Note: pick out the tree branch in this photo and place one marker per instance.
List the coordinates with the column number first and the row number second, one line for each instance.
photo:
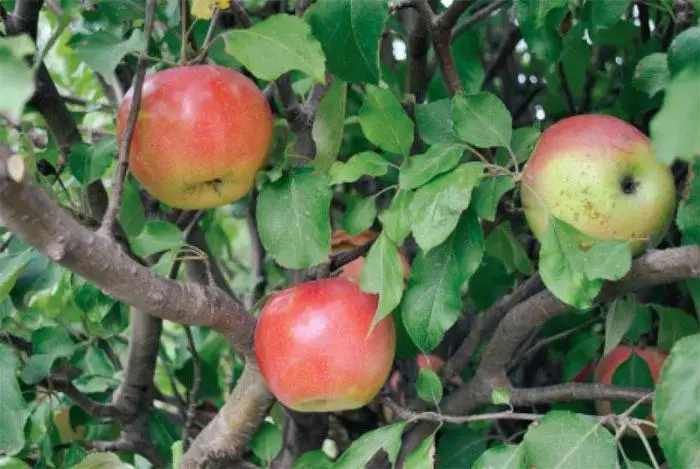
column 477, row 16
column 38, row 220
column 486, row 322
column 448, row 19
column 123, row 158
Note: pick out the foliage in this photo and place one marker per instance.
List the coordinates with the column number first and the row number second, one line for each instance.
column 369, row 135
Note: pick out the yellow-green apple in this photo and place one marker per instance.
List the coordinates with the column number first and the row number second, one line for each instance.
column 202, row 134
column 600, row 175
column 606, row 368
column 316, row 349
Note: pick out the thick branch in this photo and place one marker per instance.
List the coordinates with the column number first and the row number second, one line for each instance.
column 227, row 435
column 654, row 268
column 39, row 221
column 487, row 322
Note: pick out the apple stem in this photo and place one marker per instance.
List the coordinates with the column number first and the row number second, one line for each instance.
column 120, row 171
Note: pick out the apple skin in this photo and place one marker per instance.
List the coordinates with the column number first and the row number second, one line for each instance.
column 579, row 172
column 314, row 349
column 608, row 365
column 202, row 134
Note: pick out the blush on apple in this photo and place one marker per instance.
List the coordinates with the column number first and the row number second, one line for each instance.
column 202, row 134
column 315, row 350
column 599, row 174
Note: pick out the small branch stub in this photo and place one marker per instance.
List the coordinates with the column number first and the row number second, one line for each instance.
column 15, row 167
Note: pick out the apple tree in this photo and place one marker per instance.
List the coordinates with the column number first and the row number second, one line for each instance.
column 350, row 233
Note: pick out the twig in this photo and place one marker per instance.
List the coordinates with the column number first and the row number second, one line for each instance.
column 257, row 254
column 436, row 417
column 123, row 159
column 193, row 394
column 477, row 16
column 448, row 19
column 6, row 243
column 242, row 18
column 441, row 37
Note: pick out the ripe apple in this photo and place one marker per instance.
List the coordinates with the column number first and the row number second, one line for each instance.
column 341, row 241
column 202, row 134
column 599, row 174
column 315, row 350
column 609, row 365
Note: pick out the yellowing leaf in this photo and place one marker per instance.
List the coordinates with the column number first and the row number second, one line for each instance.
column 204, row 9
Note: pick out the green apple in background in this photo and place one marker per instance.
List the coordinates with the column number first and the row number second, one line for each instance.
column 600, row 175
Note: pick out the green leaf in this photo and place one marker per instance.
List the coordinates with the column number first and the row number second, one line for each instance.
column 688, row 214
column 562, row 265
column 359, row 216
column 675, row 405
column 522, row 144
column 15, row 75
column 608, row 260
column 500, row 396
column 538, row 9
column 469, row 244
column 675, row 130
column 488, row 194
column 313, row 460
column 103, row 50
column 651, row 74
column 503, row 245
column 674, row 325
column 14, row 410
column 12, row 463
column 539, row 20
column 88, row 163
column 366, row 163
column 102, row 461
column 584, row 350
column 364, row 448
column 502, row 457
column 482, row 120
column 423, row 457
column 350, row 32
column 618, row 321
column 432, row 302
column 48, row 345
column 434, row 121
column 459, row 446
column 419, row 169
column 277, row 45
column 384, row 122
column 293, row 219
column 396, row 219
column 429, row 386
column 11, row 269
column 684, row 51
column 157, row 236
column 437, row 206
column 328, row 126
column 606, row 14
column 131, row 215
column 267, row 442
column 564, row 439
column 383, row 274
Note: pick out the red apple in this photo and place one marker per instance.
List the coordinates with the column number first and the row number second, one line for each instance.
column 315, row 349
column 599, row 174
column 609, row 364
column 202, row 134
